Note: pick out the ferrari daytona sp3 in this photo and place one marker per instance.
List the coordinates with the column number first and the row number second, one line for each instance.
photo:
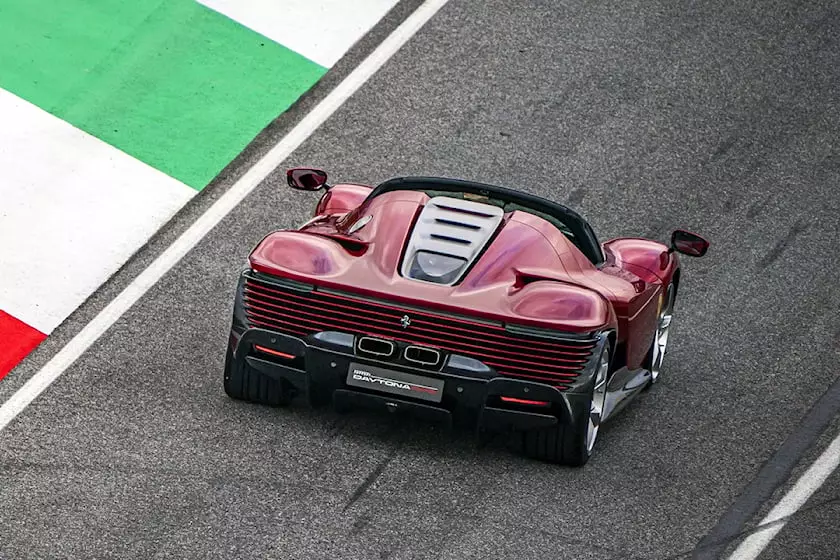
column 444, row 299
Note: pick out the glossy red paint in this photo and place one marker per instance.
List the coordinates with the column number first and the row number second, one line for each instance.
column 648, row 267
column 531, row 274
column 525, row 244
column 648, row 259
column 342, row 198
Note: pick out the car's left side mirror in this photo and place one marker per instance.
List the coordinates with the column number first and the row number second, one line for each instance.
column 306, row 179
column 688, row 243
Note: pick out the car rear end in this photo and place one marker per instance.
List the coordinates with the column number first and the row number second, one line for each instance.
column 353, row 351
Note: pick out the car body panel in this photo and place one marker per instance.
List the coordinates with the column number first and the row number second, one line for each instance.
column 530, row 274
column 527, row 275
column 436, row 297
column 341, row 198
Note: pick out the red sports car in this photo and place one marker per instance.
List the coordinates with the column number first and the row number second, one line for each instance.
column 450, row 299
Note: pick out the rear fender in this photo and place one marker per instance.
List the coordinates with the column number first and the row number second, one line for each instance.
column 579, row 309
column 649, row 260
column 342, row 198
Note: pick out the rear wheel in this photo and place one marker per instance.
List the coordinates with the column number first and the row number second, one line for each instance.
column 572, row 444
column 656, row 354
column 242, row 382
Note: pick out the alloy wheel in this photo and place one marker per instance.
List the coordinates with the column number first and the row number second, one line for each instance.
column 660, row 342
column 599, row 395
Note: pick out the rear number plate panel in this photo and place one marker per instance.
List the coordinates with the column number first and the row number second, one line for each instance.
column 395, row 382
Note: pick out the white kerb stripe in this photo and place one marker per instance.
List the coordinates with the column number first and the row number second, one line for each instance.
column 72, row 211
column 320, row 30
column 207, row 221
column 796, row 497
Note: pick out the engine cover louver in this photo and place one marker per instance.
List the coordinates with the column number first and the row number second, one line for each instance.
column 449, row 235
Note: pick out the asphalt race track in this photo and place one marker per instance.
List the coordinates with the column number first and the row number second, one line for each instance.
column 646, row 116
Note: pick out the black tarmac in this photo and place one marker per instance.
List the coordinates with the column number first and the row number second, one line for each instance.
column 645, row 116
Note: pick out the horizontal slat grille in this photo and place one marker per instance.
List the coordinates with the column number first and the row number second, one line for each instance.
column 301, row 313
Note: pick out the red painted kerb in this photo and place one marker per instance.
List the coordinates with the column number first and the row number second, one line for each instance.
column 17, row 339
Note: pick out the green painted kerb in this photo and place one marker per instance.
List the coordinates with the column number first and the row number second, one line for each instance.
column 170, row 82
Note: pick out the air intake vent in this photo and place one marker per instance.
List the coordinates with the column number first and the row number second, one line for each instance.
column 457, row 224
column 448, row 236
column 519, row 352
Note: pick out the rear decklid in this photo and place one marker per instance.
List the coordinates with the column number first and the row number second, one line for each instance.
column 441, row 253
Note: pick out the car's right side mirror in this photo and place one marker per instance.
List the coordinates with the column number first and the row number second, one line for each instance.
column 688, row 243
column 306, row 179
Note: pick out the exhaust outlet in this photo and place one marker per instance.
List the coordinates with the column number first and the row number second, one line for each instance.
column 376, row 346
column 422, row 355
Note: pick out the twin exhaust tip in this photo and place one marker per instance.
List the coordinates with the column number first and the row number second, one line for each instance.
column 422, row 355
column 377, row 346
column 386, row 349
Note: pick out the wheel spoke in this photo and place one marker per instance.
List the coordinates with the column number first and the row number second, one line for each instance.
column 596, row 407
column 592, row 428
column 660, row 340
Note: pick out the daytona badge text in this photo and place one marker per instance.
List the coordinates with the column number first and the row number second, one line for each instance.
column 362, row 375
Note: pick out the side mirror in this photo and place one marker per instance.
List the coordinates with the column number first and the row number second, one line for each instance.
column 688, row 243
column 306, row 179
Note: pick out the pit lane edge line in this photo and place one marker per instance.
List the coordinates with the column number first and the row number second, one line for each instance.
column 205, row 223
column 775, row 472
column 809, row 482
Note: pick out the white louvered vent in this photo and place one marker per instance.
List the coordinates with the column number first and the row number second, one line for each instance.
column 449, row 234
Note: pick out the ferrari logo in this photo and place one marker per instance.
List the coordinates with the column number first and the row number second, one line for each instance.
column 405, row 321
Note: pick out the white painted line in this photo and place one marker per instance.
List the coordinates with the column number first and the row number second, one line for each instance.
column 216, row 213
column 796, row 497
column 72, row 211
column 320, row 30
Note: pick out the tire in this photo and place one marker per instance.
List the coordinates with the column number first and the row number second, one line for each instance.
column 656, row 352
column 572, row 444
column 242, row 382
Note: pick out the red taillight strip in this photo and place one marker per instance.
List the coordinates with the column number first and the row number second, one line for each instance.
column 525, row 401
column 275, row 352
column 391, row 329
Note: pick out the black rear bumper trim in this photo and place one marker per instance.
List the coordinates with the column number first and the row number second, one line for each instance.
column 315, row 366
